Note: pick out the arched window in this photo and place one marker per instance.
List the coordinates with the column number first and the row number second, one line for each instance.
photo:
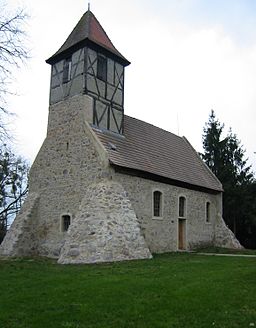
column 182, row 207
column 157, row 203
column 208, row 211
column 65, row 222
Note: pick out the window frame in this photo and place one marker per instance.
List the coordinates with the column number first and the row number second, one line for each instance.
column 158, row 206
column 67, row 68
column 182, row 214
column 208, row 212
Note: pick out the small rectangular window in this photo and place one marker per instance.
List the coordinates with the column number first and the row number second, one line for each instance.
column 102, row 68
column 67, row 69
column 208, row 212
column 65, row 222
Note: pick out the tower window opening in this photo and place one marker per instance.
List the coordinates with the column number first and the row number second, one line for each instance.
column 102, row 68
column 65, row 222
column 67, row 69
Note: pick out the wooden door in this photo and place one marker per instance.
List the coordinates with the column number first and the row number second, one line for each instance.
column 182, row 234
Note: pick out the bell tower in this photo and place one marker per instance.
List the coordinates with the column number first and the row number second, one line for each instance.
column 89, row 64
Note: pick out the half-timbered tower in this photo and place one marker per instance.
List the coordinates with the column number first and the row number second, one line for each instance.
column 105, row 186
column 88, row 63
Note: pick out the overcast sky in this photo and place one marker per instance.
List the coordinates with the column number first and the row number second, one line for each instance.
column 187, row 57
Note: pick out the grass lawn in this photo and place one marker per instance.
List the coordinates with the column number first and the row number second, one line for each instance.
column 172, row 290
column 219, row 250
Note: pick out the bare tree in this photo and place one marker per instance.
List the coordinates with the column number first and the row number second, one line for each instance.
column 13, row 53
column 13, row 186
column 13, row 169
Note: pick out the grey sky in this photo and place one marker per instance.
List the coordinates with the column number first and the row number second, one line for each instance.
column 187, row 57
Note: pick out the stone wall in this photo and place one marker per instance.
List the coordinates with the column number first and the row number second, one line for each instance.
column 161, row 233
column 224, row 237
column 105, row 228
column 69, row 160
column 21, row 239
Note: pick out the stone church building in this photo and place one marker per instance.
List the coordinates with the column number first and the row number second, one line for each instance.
column 105, row 186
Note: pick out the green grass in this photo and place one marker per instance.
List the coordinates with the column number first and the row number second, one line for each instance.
column 220, row 250
column 172, row 290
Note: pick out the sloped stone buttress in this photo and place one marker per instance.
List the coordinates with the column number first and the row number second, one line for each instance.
column 105, row 229
column 21, row 238
column 224, row 237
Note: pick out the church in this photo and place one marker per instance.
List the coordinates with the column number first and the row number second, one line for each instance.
column 105, row 186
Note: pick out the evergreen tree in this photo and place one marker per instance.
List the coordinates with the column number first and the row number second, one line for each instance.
column 226, row 158
column 213, row 145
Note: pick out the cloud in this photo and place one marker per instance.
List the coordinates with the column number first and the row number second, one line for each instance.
column 188, row 57
column 180, row 73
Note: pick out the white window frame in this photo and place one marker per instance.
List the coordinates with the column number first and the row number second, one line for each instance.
column 160, row 217
column 185, row 207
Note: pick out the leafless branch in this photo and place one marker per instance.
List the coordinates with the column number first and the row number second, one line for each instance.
column 13, row 53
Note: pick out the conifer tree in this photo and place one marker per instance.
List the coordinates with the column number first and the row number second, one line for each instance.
column 226, row 158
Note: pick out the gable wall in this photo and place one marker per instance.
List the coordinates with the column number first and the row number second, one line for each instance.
column 161, row 234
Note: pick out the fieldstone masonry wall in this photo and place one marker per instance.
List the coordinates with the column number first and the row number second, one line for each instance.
column 105, row 228
column 224, row 237
column 69, row 160
column 161, row 233
column 21, row 239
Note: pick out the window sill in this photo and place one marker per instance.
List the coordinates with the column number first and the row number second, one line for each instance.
column 159, row 218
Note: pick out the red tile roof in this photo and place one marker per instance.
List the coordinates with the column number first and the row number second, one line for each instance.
column 149, row 149
column 88, row 28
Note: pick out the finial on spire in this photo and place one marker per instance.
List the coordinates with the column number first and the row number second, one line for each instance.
column 88, row 5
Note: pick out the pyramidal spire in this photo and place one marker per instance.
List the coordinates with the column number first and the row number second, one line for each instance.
column 88, row 31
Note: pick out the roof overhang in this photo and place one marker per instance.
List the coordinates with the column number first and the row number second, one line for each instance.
column 87, row 43
column 162, row 179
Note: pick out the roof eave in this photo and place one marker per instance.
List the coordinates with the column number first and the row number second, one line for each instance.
column 163, row 179
column 87, row 42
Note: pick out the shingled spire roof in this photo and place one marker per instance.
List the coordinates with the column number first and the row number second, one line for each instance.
column 88, row 31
